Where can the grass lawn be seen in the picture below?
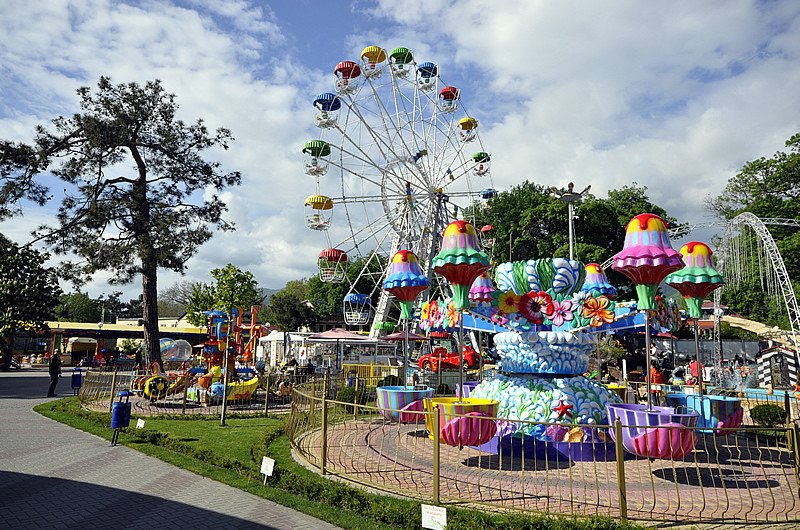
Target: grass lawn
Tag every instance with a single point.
(232, 455)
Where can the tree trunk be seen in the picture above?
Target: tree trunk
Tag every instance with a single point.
(150, 311)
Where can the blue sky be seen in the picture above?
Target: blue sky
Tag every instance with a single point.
(675, 96)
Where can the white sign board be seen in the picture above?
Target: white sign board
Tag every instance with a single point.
(140, 423)
(434, 517)
(267, 466)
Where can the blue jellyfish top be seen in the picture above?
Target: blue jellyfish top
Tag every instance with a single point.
(327, 102)
(427, 69)
(356, 298)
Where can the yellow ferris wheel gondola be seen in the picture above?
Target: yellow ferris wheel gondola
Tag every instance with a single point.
(319, 210)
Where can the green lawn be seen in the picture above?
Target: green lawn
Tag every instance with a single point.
(232, 455)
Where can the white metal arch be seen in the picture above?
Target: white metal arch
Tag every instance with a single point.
(774, 260)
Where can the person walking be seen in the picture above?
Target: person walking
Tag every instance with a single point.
(55, 372)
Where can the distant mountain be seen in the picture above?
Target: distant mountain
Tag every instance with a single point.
(267, 294)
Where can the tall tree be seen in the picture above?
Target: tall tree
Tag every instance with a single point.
(29, 293)
(133, 221)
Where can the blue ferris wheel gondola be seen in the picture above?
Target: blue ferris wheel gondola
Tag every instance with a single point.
(327, 101)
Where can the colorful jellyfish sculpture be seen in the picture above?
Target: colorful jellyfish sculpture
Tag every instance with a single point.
(468, 128)
(405, 281)
(319, 209)
(327, 105)
(596, 283)
(401, 59)
(698, 278)
(357, 309)
(345, 72)
(647, 257)
(448, 98)
(332, 265)
(426, 75)
(461, 260)
(482, 163)
(371, 59)
(315, 153)
(482, 290)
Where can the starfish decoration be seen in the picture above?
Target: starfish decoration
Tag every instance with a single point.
(563, 409)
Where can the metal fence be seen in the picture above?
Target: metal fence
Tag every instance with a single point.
(751, 475)
(100, 388)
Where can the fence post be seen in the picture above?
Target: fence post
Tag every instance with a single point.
(436, 454)
(356, 401)
(113, 390)
(795, 435)
(623, 495)
(266, 396)
(787, 406)
(185, 390)
(324, 451)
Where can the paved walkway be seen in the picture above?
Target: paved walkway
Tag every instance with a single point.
(53, 476)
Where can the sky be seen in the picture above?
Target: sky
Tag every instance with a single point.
(675, 96)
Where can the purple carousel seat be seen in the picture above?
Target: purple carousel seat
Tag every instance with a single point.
(655, 433)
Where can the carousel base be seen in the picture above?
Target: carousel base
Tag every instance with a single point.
(530, 447)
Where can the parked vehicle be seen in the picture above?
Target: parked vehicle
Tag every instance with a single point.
(440, 358)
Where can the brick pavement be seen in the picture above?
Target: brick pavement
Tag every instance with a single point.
(53, 476)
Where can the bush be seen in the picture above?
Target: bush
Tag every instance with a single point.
(391, 380)
(768, 415)
(443, 388)
(348, 394)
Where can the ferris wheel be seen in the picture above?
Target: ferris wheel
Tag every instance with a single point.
(398, 157)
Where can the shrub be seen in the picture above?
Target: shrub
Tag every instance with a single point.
(348, 394)
(768, 415)
(443, 388)
(391, 380)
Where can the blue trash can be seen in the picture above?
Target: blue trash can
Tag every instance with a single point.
(120, 414)
(77, 380)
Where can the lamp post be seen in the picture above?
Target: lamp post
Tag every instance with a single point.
(570, 196)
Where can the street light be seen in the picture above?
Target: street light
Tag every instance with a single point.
(570, 196)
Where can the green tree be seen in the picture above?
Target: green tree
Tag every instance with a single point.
(29, 293)
(530, 222)
(173, 300)
(19, 165)
(135, 221)
(290, 308)
(231, 287)
(78, 307)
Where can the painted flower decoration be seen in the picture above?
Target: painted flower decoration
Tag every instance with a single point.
(597, 311)
(559, 312)
(434, 313)
(452, 314)
(425, 311)
(532, 305)
(508, 303)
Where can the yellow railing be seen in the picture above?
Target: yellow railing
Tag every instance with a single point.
(368, 371)
(751, 475)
